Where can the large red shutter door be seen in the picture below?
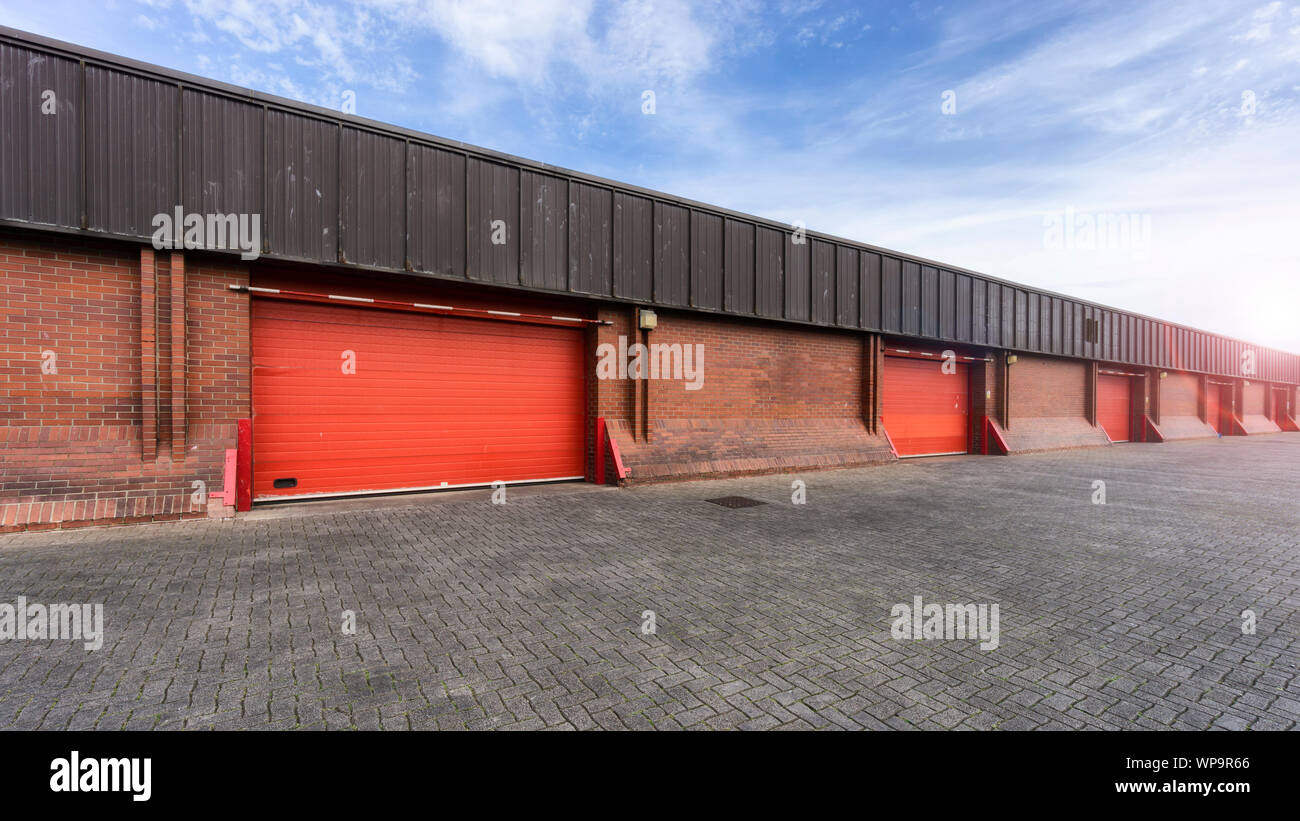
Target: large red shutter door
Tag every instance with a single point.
(1114, 405)
(925, 410)
(349, 400)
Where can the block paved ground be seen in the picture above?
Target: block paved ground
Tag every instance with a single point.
(528, 615)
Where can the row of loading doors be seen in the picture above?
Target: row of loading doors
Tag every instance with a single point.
(926, 408)
(353, 400)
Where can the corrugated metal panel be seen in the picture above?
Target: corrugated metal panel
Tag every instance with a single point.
(221, 147)
(40, 153)
(911, 304)
(846, 286)
(798, 276)
(870, 290)
(672, 254)
(706, 261)
(591, 225)
(131, 144)
(962, 307)
(302, 183)
(994, 302)
(435, 211)
(823, 282)
(928, 302)
(979, 317)
(1013, 317)
(947, 305)
(493, 227)
(371, 230)
(891, 294)
(769, 262)
(1032, 317)
(544, 225)
(738, 267)
(633, 247)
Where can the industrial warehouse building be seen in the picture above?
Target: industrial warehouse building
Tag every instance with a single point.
(402, 312)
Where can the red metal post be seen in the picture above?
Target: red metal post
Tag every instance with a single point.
(244, 467)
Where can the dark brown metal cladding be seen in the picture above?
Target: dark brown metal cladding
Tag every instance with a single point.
(130, 141)
(40, 179)
(769, 263)
(633, 247)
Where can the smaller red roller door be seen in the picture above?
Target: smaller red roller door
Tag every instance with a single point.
(1279, 404)
(1212, 407)
(1114, 406)
(925, 410)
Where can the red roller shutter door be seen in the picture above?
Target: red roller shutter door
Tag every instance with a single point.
(1279, 405)
(925, 410)
(434, 400)
(1114, 406)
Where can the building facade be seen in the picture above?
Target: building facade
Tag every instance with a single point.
(214, 297)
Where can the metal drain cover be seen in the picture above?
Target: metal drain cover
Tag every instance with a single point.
(735, 501)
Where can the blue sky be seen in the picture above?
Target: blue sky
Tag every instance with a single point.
(1179, 120)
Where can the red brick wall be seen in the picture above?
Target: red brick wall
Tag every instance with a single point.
(773, 397)
(1048, 405)
(1041, 386)
(1180, 394)
(759, 370)
(1253, 399)
(74, 440)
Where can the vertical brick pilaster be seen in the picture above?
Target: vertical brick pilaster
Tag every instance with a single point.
(873, 352)
(148, 357)
(1091, 392)
(639, 386)
(178, 356)
(1153, 394)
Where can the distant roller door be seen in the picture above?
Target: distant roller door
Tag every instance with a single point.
(925, 411)
(1115, 406)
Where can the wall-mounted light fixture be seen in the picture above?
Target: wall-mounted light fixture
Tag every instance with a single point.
(1011, 360)
(648, 320)
(1164, 374)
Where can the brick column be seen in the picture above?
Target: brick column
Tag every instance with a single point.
(873, 352)
(178, 356)
(640, 387)
(148, 357)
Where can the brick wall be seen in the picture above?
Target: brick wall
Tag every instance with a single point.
(1048, 405)
(772, 398)
(1180, 406)
(1253, 407)
(77, 448)
(1180, 394)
